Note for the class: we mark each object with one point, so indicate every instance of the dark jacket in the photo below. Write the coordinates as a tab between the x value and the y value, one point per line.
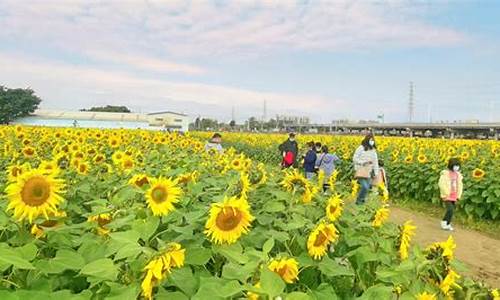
310	161
289	146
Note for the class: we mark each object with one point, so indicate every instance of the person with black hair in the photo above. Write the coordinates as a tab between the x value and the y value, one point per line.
366	167
289	149
451	189
317	148
310	160
214	144
326	162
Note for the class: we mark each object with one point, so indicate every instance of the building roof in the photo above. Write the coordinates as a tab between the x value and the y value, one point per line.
167	112
100	116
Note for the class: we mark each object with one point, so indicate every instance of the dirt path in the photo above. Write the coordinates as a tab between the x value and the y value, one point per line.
480	253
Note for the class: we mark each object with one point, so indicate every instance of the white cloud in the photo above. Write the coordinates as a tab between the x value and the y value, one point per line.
74	87
144	63
203	28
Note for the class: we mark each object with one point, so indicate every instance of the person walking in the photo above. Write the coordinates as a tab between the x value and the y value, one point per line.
326	162
214	144
450	188
366	167
289	149
310	160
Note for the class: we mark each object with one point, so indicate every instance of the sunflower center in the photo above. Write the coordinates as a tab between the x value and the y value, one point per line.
282	271
159	194
320	239
35	191
128	164
333	209
229	219
142	181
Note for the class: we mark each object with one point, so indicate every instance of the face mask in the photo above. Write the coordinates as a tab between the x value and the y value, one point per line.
371	142
456	168
292	140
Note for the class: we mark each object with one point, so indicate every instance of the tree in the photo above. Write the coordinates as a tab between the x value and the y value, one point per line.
17	103
108	108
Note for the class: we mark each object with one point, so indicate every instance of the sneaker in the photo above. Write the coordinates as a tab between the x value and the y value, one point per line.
450	228
444	225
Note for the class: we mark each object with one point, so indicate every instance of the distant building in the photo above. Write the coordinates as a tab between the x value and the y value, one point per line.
170	120
157	120
286	120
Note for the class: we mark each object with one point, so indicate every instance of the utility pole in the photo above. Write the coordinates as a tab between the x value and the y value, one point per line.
411	103
429	113
233	117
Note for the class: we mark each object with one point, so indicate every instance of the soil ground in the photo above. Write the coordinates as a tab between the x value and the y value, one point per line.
480	253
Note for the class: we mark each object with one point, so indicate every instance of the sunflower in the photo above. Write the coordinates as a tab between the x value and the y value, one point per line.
139	180
29	151
37	231
334	208
321	179
117	157
409	159
449	282
407	231
228	220
464	155
83	168
158	268
188	177
422	158
243	186
478	173
426	296
127	163
309	193
34	194
114	142
332	180
354	187
286	268
254	296
320	238
293	179
15	171
495	294
49	167
380	217
444	249
262	169
99	158
161	195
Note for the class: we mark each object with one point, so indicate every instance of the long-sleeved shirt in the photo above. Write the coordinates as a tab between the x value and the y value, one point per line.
327	162
309	161
364	157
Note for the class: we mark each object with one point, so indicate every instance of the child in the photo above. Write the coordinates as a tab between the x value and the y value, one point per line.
214	144
451	188
382	175
326	162
310	160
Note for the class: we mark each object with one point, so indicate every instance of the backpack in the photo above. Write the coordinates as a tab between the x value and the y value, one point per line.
288	159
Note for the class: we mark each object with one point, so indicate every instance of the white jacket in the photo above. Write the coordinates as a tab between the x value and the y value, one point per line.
362	158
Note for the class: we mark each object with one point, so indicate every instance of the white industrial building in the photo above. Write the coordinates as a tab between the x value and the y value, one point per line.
157	120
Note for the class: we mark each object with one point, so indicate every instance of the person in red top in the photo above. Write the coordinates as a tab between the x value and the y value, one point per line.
451	188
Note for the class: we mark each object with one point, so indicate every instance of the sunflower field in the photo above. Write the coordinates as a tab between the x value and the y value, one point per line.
413	165
131	214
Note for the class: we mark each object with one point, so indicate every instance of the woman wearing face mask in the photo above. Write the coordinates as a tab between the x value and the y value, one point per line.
365	166
451	188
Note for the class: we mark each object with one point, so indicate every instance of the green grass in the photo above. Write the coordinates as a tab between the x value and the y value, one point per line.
488	227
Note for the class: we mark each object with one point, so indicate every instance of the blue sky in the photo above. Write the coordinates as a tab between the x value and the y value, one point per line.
324	59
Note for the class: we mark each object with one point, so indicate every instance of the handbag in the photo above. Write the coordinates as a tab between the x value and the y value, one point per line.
363	172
